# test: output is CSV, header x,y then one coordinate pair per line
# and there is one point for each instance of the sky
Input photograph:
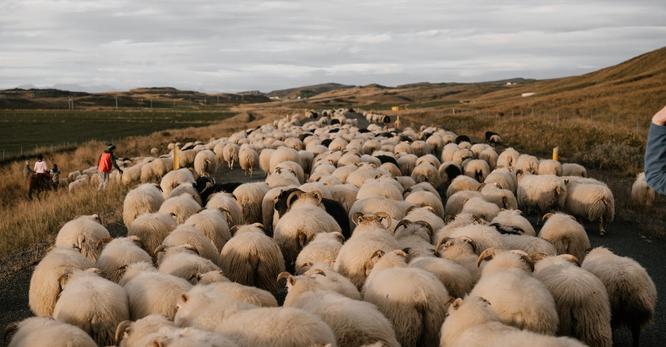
x,y
237,45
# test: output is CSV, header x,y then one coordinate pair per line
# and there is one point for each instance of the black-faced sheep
x,y
631,291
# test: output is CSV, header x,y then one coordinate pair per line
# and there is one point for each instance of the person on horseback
x,y
40,167
105,164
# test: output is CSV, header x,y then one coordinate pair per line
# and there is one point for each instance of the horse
x,y
38,183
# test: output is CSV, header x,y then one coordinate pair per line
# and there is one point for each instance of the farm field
x,y
28,131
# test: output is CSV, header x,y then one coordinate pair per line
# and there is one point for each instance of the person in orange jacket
x,y
105,164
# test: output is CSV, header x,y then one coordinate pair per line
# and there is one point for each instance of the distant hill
x,y
156,97
306,91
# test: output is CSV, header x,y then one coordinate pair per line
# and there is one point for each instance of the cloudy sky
x,y
234,45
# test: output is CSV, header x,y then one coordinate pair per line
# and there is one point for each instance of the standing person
x,y
106,163
40,166
55,173
655,153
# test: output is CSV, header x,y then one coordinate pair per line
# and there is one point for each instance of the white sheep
x,y
85,234
641,193
503,198
282,154
130,334
92,303
183,262
592,202
205,163
542,193
572,169
146,198
455,277
518,298
527,164
39,331
250,197
477,169
508,158
414,300
581,299
230,154
173,179
188,235
473,323
182,206
513,221
426,198
214,281
549,167
118,254
353,322
566,234
211,223
186,189
152,292
528,244
229,205
44,282
462,183
152,229
631,291
252,258
461,250
323,248
273,326
305,218
456,202
481,208
248,159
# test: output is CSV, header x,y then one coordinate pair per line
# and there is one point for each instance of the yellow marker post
x,y
176,154
395,108
556,153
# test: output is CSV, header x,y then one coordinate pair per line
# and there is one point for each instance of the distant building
x,y
525,95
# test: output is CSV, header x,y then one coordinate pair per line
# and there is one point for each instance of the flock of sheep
x,y
357,237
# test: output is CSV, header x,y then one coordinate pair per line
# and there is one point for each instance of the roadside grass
x,y
24,223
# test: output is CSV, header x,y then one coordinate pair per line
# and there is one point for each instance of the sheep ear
x,y
427,226
456,304
527,260
64,278
303,239
486,255
546,216
566,181
122,330
505,202
233,230
338,235
441,244
183,298
282,276
471,243
293,196
373,260
356,218
317,195
385,219
537,257
403,223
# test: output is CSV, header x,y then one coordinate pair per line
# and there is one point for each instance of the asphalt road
x,y
623,238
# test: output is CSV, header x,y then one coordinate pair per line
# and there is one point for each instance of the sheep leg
x,y
602,229
635,334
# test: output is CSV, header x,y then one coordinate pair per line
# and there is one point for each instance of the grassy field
x,y
28,131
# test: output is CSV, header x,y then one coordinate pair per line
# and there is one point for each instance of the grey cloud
x,y
237,45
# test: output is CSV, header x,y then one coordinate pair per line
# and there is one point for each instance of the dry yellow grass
x,y
24,223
